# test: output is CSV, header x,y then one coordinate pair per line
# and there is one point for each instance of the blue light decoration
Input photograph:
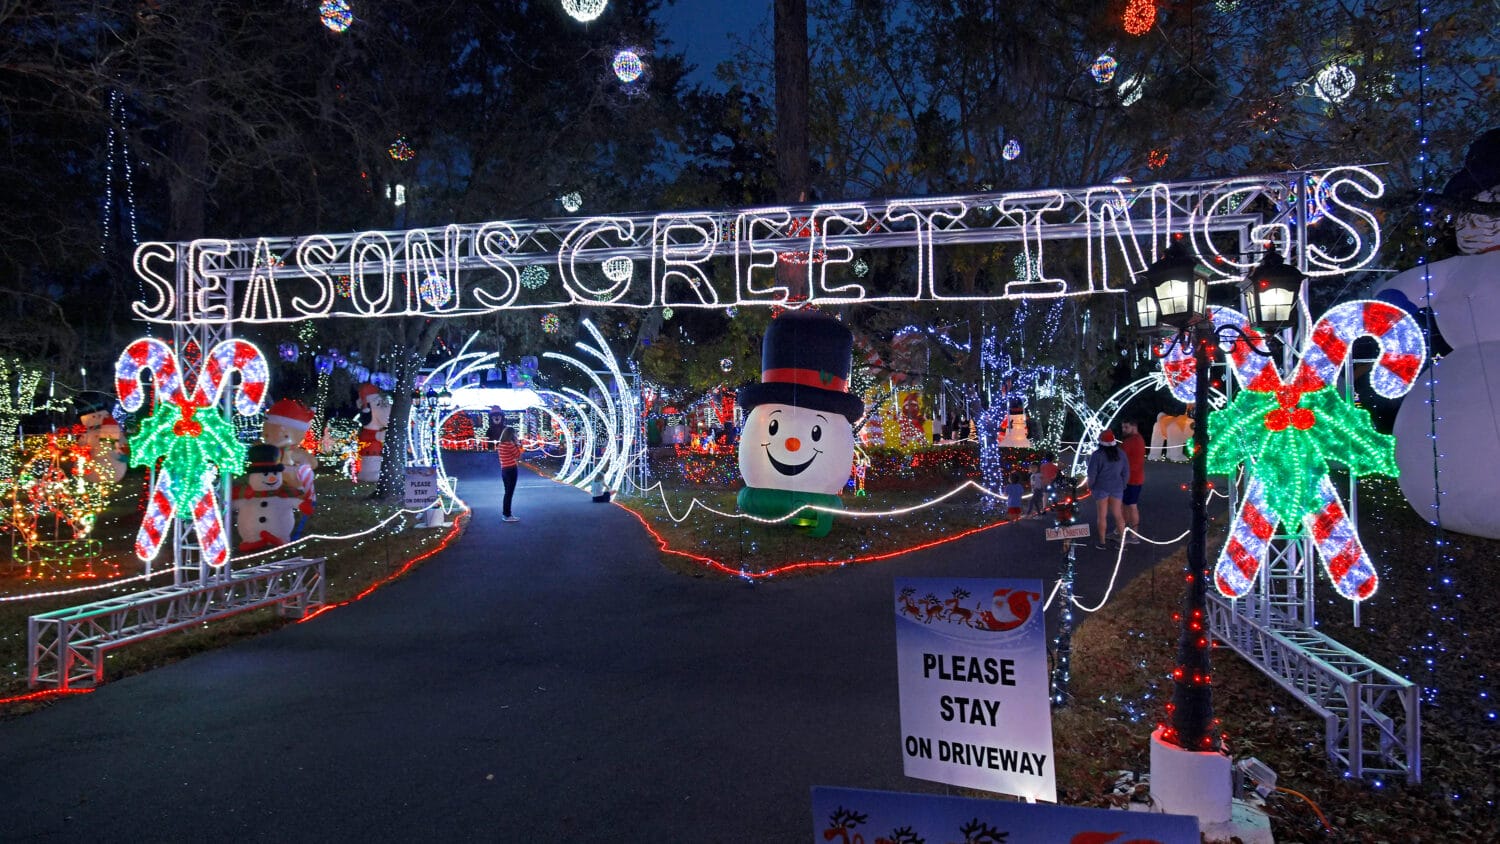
x,y
288,352
324,364
1012,150
1103,69
627,66
335,15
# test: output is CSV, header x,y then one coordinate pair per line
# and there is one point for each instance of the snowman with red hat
x,y
797,446
375,412
265,512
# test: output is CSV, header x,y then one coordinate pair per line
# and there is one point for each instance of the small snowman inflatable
x,y
375,407
265,512
797,446
106,444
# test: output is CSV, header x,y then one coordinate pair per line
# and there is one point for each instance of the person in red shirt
x,y
510,456
1134,446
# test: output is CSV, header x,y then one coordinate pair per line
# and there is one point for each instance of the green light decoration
x,y
1287,439
191,447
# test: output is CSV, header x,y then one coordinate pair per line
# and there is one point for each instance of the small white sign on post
x,y
421,487
972,666
1068,532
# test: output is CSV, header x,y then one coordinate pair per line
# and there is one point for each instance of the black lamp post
x,y
1173,294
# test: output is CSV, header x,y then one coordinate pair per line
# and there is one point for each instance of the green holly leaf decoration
x,y
193,448
1287,439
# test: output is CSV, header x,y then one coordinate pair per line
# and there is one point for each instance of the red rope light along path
x,y
710,562
452,534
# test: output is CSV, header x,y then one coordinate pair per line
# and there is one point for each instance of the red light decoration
x,y
453,532
1140,16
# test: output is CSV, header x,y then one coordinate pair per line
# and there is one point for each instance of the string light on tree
x,y
1132,89
18,388
335,15
584,11
627,66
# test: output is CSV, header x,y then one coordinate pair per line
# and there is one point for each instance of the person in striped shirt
x,y
510,455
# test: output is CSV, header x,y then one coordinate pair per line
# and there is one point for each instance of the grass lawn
x,y
352,565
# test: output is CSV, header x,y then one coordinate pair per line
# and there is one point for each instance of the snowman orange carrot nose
x,y
792,443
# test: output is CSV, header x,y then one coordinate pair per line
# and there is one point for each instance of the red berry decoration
x,y
1302,419
1278,419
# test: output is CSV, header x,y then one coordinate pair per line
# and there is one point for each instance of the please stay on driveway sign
x,y
972,666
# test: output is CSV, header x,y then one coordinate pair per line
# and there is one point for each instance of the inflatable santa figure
x,y
797,446
265,512
285,427
375,409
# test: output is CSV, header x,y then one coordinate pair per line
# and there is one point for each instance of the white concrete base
x,y
1247,824
1187,782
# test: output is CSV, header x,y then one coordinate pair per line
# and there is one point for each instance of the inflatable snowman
x,y
797,445
1465,296
265,512
106,446
377,407
1170,436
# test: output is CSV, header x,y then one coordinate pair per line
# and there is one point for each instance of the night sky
x,y
704,29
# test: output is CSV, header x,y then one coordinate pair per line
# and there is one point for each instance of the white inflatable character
x,y
265,512
1013,431
106,444
1465,297
797,446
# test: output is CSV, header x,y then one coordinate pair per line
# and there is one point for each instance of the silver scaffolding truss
x,y
217,283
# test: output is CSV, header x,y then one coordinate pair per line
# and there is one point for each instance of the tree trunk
x,y
792,177
416,337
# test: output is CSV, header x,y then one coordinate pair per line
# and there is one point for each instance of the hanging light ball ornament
x,y
323,363
1012,150
1140,16
288,352
571,201
726,364
400,149
584,11
627,66
666,313
1104,69
619,269
731,311
861,269
435,290
534,276
550,323
336,15
1131,90
1334,83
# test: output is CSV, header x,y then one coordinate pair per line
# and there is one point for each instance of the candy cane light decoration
x,y
192,448
1286,430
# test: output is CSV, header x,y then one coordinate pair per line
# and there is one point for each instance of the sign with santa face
x,y
794,448
797,447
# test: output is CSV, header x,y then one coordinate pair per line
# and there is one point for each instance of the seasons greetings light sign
x,y
721,259
972,665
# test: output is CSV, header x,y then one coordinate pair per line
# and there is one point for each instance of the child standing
x,y
1038,492
1015,490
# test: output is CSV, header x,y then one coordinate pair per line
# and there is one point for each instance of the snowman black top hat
x,y
264,458
805,361
1481,169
